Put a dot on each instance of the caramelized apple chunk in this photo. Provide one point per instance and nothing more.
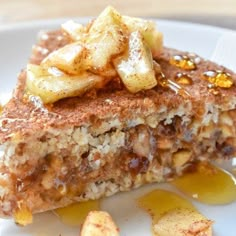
(136, 68)
(51, 88)
(111, 44)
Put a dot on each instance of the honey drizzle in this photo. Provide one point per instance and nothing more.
(183, 79)
(208, 184)
(212, 185)
(196, 59)
(75, 214)
(213, 89)
(167, 83)
(183, 62)
(177, 89)
(219, 187)
(218, 78)
(168, 201)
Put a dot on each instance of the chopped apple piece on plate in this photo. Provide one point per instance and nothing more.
(183, 222)
(99, 223)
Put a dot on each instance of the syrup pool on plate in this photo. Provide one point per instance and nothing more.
(158, 202)
(75, 214)
(208, 184)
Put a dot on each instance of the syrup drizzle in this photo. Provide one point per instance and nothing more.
(213, 89)
(218, 78)
(183, 62)
(183, 79)
(168, 83)
(158, 202)
(208, 184)
(75, 214)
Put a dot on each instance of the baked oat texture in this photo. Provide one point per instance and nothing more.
(109, 141)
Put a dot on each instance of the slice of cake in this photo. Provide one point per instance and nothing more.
(63, 146)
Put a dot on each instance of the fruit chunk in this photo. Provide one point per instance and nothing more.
(149, 31)
(106, 38)
(182, 222)
(74, 30)
(70, 59)
(109, 41)
(136, 68)
(181, 157)
(99, 223)
(51, 88)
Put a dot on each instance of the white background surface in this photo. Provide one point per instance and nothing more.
(15, 47)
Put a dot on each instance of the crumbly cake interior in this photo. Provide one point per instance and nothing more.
(50, 158)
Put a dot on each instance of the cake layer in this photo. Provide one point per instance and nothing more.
(111, 140)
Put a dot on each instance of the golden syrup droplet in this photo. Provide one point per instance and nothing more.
(162, 80)
(208, 184)
(218, 78)
(195, 58)
(183, 78)
(183, 62)
(167, 83)
(177, 88)
(75, 214)
(213, 89)
(224, 80)
(210, 75)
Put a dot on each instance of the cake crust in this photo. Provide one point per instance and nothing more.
(29, 115)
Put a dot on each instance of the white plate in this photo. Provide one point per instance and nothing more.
(15, 48)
